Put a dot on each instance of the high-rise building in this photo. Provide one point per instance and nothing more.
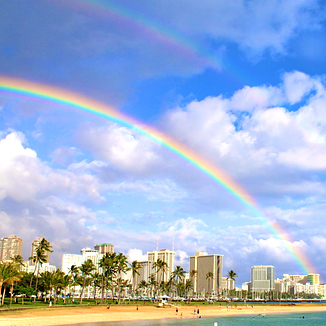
(262, 278)
(167, 256)
(314, 279)
(10, 247)
(209, 269)
(35, 244)
(105, 248)
(145, 270)
(86, 253)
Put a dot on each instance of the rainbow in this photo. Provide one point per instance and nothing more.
(80, 102)
(109, 10)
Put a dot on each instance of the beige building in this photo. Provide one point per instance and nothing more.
(10, 247)
(35, 244)
(168, 257)
(227, 284)
(145, 270)
(262, 278)
(204, 263)
(105, 248)
(314, 279)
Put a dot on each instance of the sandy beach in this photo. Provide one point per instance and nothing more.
(75, 315)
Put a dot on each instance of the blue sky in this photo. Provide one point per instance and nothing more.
(242, 83)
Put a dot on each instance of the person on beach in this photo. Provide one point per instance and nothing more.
(176, 310)
(197, 311)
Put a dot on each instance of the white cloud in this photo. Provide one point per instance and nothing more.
(296, 85)
(251, 135)
(136, 254)
(124, 148)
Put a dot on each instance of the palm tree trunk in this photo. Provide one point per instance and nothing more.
(82, 291)
(3, 295)
(55, 295)
(102, 298)
(11, 290)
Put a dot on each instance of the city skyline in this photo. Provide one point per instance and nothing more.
(239, 88)
(201, 262)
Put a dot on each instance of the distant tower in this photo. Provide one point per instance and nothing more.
(203, 264)
(10, 247)
(105, 248)
(35, 244)
(167, 256)
(262, 278)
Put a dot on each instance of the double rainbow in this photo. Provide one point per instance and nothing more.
(80, 102)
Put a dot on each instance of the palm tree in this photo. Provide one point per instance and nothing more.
(66, 282)
(152, 283)
(188, 286)
(193, 277)
(121, 267)
(135, 266)
(179, 274)
(57, 277)
(96, 281)
(74, 272)
(13, 277)
(4, 274)
(161, 269)
(209, 276)
(86, 269)
(18, 260)
(45, 284)
(40, 257)
(109, 270)
(231, 275)
(143, 285)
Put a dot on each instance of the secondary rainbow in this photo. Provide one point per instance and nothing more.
(80, 102)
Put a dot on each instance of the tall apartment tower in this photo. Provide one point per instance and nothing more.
(145, 270)
(203, 264)
(35, 244)
(105, 248)
(262, 278)
(168, 257)
(10, 247)
(314, 279)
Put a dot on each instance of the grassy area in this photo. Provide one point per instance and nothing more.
(91, 302)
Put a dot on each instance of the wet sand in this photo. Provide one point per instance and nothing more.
(84, 314)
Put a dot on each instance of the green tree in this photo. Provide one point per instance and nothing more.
(108, 267)
(40, 257)
(143, 285)
(152, 283)
(74, 271)
(189, 286)
(134, 266)
(193, 277)
(179, 274)
(86, 269)
(231, 275)
(67, 280)
(121, 268)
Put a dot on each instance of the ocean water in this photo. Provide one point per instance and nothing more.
(311, 319)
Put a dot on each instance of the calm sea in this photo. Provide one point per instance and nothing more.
(311, 319)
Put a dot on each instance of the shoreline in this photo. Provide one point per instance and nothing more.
(88, 314)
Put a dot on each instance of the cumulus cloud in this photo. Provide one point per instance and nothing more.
(136, 254)
(256, 133)
(122, 147)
